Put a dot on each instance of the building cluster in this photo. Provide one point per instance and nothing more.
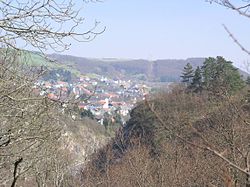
(97, 94)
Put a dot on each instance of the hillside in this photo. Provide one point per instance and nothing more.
(35, 59)
(158, 70)
(165, 70)
(174, 136)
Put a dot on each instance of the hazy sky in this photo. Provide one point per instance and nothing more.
(157, 29)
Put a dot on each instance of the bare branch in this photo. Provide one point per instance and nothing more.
(236, 41)
(199, 146)
(43, 24)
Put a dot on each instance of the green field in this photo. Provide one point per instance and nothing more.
(37, 59)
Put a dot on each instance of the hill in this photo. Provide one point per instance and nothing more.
(165, 70)
(177, 139)
(158, 70)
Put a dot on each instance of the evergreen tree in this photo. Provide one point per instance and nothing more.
(248, 80)
(187, 74)
(208, 72)
(220, 75)
(196, 84)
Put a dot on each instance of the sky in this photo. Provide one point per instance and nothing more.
(163, 29)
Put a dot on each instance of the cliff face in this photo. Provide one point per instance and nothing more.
(66, 156)
(81, 139)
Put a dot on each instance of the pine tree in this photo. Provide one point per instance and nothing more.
(248, 80)
(208, 72)
(220, 75)
(187, 74)
(196, 84)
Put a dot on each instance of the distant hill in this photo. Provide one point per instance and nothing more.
(158, 70)
(165, 70)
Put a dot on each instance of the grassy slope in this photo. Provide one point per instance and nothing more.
(35, 59)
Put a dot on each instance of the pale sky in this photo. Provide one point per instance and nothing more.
(163, 29)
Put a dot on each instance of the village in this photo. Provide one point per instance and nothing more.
(100, 96)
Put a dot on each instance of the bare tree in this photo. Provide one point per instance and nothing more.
(223, 132)
(242, 8)
(31, 125)
(43, 24)
(181, 139)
